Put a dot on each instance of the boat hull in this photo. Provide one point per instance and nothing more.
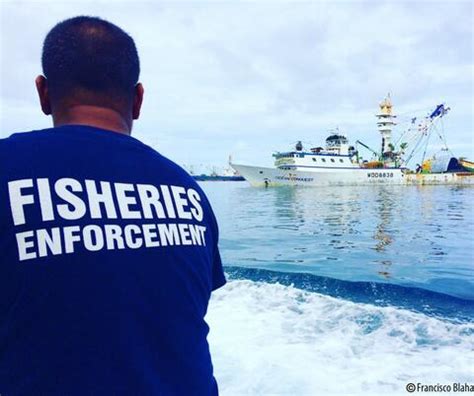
(261, 176)
(265, 177)
(455, 178)
(469, 165)
(217, 178)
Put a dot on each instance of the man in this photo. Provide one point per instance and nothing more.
(108, 250)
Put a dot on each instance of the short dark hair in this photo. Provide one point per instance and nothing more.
(90, 58)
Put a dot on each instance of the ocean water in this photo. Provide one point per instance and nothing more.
(345, 290)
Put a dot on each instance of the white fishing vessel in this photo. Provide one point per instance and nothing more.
(339, 163)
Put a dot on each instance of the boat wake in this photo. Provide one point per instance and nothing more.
(271, 338)
(431, 303)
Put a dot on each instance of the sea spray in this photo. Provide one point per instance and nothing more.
(275, 339)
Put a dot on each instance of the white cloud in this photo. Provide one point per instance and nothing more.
(252, 77)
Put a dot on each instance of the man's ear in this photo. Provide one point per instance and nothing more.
(42, 88)
(137, 101)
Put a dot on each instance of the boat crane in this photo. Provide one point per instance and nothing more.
(367, 147)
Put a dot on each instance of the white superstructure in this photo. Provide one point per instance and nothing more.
(334, 164)
(336, 155)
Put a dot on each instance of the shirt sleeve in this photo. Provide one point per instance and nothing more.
(218, 277)
(217, 271)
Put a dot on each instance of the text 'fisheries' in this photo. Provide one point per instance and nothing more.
(70, 200)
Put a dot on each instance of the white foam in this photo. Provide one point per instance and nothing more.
(273, 339)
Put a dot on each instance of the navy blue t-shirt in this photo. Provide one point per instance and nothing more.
(108, 259)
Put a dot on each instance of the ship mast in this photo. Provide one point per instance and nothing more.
(385, 124)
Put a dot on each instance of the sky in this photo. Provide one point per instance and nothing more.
(250, 78)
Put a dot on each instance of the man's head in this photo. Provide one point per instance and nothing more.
(90, 62)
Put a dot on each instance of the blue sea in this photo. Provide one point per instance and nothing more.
(343, 290)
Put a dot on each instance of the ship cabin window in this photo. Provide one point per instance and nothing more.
(332, 160)
(323, 159)
(336, 140)
(314, 159)
(341, 160)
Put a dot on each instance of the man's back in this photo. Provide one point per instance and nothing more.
(109, 256)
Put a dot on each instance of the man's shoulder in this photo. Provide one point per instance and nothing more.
(28, 134)
(23, 137)
(177, 170)
(178, 175)
(19, 144)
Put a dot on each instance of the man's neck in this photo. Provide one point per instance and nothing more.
(99, 117)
